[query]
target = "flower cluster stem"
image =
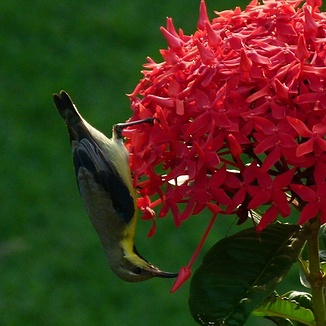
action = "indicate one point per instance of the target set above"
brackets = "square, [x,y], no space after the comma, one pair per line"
[315,274]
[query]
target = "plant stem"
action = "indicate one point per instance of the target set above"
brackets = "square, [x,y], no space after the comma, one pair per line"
[315,274]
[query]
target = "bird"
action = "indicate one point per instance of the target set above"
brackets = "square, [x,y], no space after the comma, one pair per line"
[105,184]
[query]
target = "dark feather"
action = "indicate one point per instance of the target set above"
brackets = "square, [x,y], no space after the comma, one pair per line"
[89,156]
[121,198]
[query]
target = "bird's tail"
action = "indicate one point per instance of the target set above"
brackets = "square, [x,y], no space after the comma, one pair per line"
[68,112]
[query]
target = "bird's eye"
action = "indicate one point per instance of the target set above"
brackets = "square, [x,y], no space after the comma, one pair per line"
[137,270]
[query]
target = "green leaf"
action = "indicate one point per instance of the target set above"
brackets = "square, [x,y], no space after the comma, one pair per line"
[304,299]
[288,308]
[322,255]
[241,271]
[280,321]
[304,268]
[304,271]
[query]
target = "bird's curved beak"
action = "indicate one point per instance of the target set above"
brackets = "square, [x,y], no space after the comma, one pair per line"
[158,273]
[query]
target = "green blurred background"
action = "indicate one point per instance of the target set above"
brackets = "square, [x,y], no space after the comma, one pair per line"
[52,267]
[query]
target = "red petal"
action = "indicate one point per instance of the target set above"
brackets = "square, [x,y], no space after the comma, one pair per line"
[320,172]
[259,199]
[282,90]
[311,26]
[281,202]
[306,147]
[232,180]
[203,17]
[307,98]
[212,159]
[309,211]
[322,191]
[286,140]
[257,58]
[268,217]
[206,55]
[163,101]
[264,125]
[174,88]
[278,111]
[175,212]
[199,207]
[314,3]
[264,179]
[285,29]
[271,159]
[265,145]
[237,199]
[320,129]
[245,62]
[179,107]
[321,143]
[188,210]
[261,93]
[306,193]
[302,52]
[170,27]
[152,230]
[300,127]
[318,71]
[202,100]
[235,147]
[220,196]
[283,180]
[174,42]
[213,38]
[215,209]
[200,124]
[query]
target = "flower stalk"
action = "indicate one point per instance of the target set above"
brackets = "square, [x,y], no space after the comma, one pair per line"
[316,277]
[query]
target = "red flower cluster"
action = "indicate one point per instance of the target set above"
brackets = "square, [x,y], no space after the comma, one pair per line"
[241,110]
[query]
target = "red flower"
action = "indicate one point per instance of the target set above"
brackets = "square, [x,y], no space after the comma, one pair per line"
[271,191]
[315,137]
[315,198]
[241,109]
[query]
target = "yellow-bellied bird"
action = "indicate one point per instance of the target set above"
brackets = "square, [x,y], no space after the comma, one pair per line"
[105,185]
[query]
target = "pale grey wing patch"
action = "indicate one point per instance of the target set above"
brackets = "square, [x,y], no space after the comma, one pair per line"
[87,154]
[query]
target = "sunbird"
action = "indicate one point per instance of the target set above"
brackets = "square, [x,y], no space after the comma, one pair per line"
[105,184]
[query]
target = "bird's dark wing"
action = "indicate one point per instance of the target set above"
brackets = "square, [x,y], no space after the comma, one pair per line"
[89,156]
